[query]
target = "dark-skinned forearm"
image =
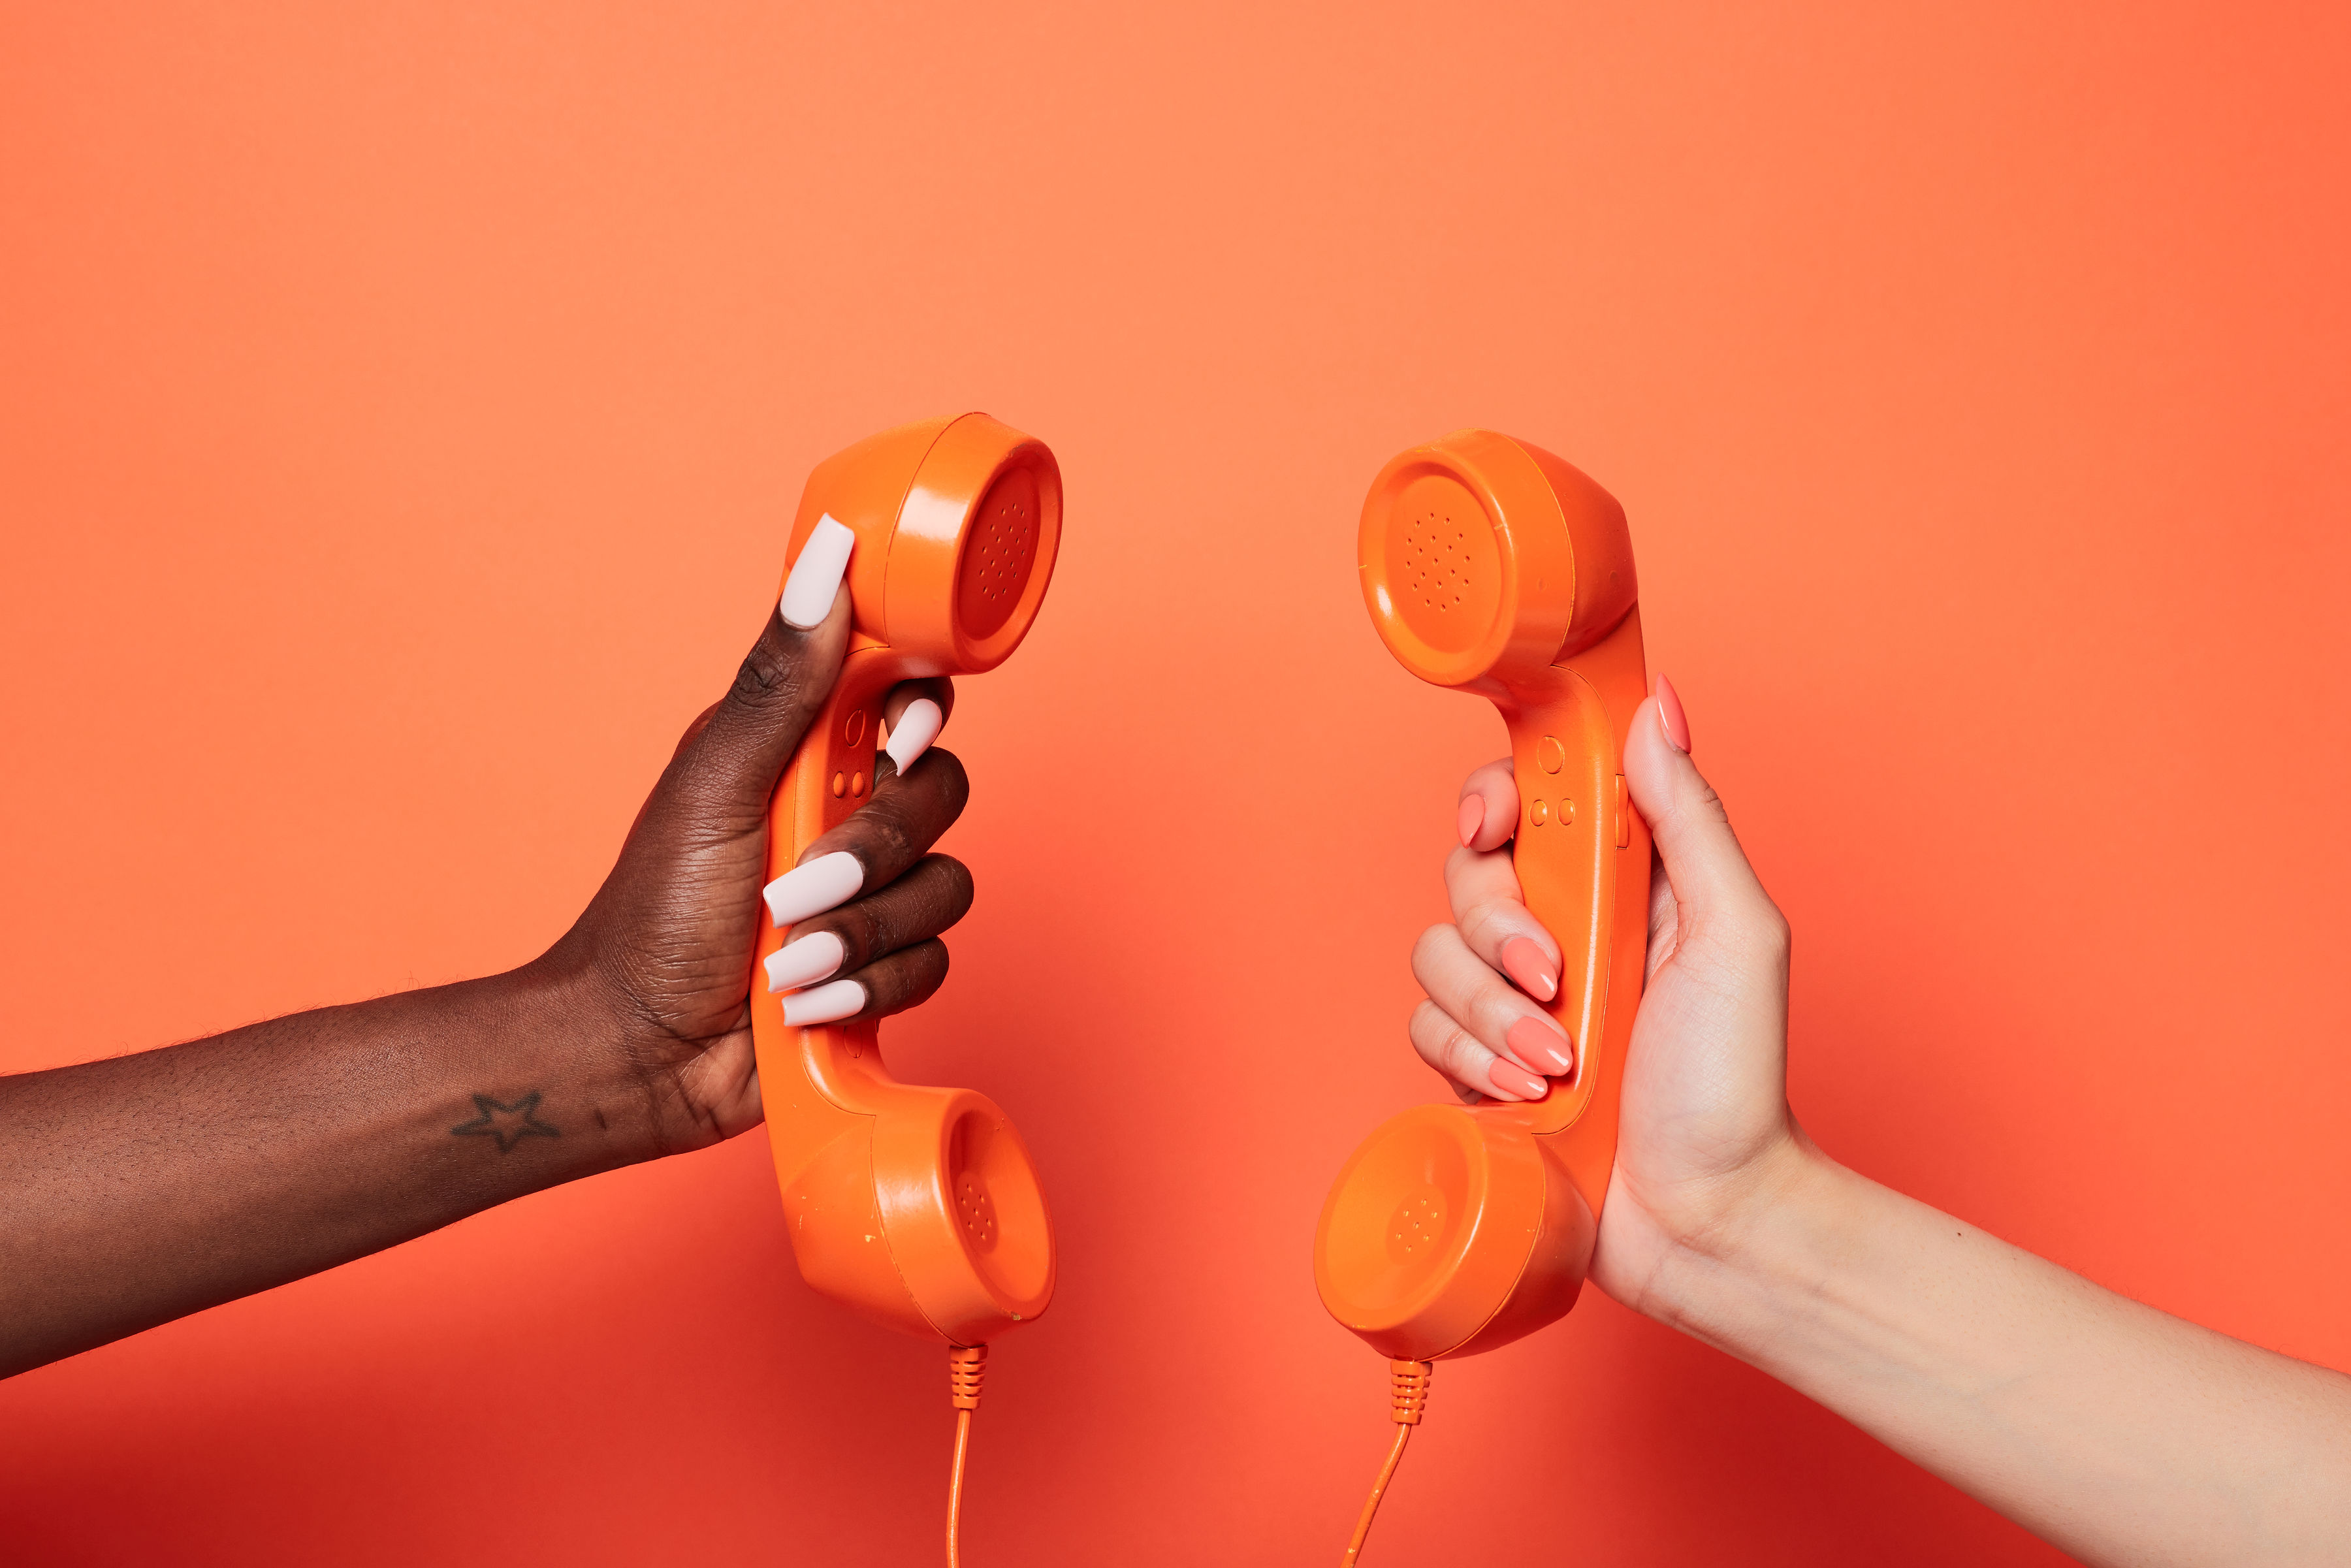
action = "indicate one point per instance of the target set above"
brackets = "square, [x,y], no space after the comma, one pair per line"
[138,1189]
[143,1187]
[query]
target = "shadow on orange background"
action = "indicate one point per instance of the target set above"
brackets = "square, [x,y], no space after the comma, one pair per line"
[399,419]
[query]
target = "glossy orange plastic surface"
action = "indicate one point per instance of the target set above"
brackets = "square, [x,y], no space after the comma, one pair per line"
[918,1207]
[1492,566]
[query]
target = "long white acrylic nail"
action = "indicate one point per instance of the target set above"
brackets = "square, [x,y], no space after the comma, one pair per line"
[804,962]
[816,576]
[826,1004]
[825,882]
[912,734]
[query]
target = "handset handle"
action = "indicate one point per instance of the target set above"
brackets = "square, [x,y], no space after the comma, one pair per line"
[1581,854]
[829,776]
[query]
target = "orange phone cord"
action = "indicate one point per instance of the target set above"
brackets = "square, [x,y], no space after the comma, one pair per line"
[1408,1391]
[967,1364]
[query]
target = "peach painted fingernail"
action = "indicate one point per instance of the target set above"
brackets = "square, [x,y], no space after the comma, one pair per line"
[1541,1041]
[1670,718]
[912,734]
[1515,1082]
[826,1004]
[1529,967]
[1473,817]
[805,961]
[816,575]
[823,883]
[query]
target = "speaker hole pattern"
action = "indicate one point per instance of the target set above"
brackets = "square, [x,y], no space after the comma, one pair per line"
[998,551]
[1438,560]
[1418,1225]
[977,1210]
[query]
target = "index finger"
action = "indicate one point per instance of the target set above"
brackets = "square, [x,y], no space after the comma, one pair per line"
[1482,886]
[878,841]
[1489,806]
[914,712]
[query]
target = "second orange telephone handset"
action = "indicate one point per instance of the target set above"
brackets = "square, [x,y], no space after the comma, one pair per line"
[917,1206]
[1493,568]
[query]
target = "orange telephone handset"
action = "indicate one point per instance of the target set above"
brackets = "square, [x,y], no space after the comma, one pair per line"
[917,1206]
[1492,566]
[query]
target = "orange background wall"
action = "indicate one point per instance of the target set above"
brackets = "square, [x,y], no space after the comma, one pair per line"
[399,417]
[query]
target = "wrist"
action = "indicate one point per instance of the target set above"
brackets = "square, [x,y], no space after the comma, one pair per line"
[1716,1279]
[562,1040]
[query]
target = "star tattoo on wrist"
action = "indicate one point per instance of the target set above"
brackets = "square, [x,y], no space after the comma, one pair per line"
[509,1124]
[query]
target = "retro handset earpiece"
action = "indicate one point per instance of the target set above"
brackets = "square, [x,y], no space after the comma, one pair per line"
[917,1206]
[1491,567]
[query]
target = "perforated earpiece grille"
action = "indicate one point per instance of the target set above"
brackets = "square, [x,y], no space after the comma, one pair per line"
[1443,567]
[997,555]
[1440,571]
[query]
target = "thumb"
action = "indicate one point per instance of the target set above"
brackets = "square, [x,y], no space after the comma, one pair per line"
[1702,858]
[728,770]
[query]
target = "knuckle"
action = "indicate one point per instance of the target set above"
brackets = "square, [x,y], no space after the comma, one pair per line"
[945,772]
[881,990]
[954,882]
[926,967]
[1443,1043]
[899,839]
[916,808]
[1462,1052]
[927,899]
[903,980]
[764,678]
[880,935]
[1493,1009]
[1427,1030]
[947,890]
[856,937]
[1487,923]
[881,832]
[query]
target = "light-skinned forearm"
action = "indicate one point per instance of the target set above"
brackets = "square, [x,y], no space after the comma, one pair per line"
[139,1188]
[2119,1432]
